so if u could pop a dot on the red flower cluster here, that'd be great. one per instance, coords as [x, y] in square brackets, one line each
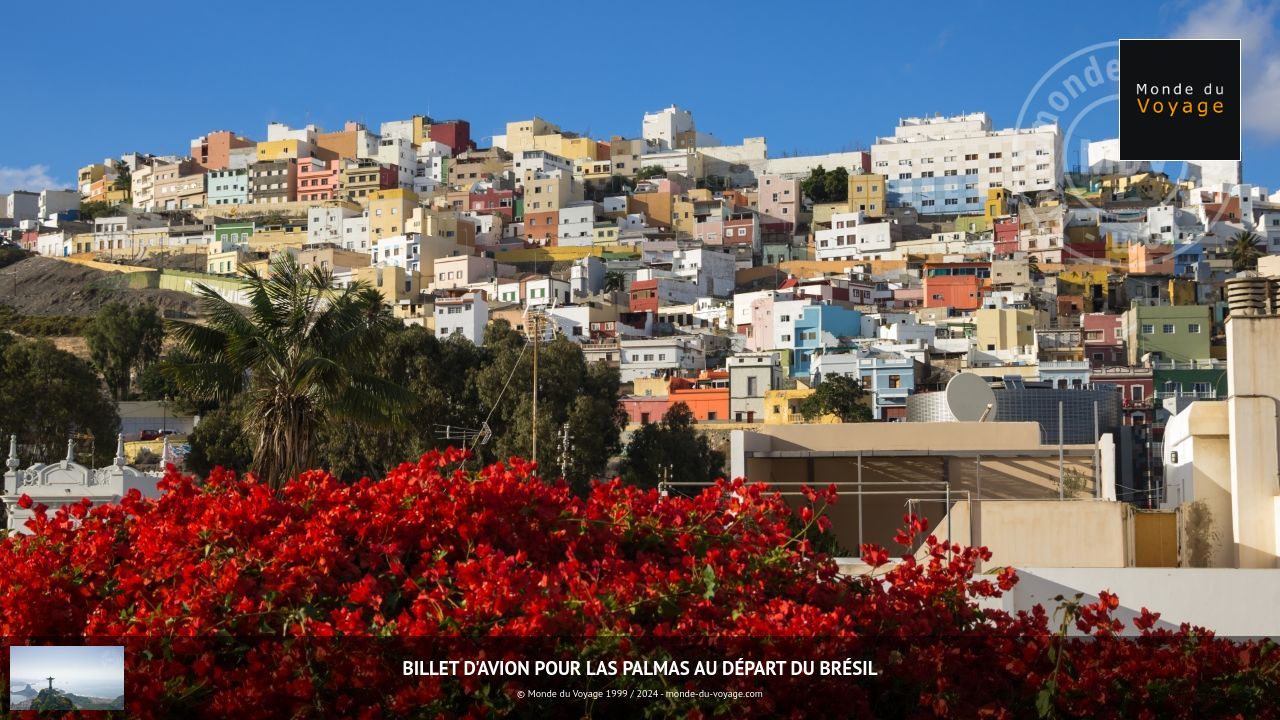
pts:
[235, 600]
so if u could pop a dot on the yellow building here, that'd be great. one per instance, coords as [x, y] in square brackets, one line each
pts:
[274, 238]
[867, 194]
[997, 204]
[782, 407]
[1078, 280]
[605, 234]
[1006, 328]
[395, 284]
[390, 212]
[1148, 186]
[88, 175]
[283, 149]
[521, 134]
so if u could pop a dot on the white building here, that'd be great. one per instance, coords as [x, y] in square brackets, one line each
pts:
[577, 224]
[946, 165]
[751, 375]
[1104, 159]
[851, 237]
[403, 251]
[324, 223]
[23, 205]
[53, 202]
[465, 315]
[654, 357]
[714, 272]
[355, 232]
[665, 127]
[66, 482]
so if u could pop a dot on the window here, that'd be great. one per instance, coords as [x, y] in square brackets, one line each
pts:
[711, 415]
[993, 156]
[952, 201]
[895, 381]
[1148, 329]
[1167, 328]
[995, 169]
[926, 203]
[904, 176]
[1202, 389]
[949, 173]
[973, 156]
[1136, 392]
[971, 171]
[927, 174]
[1119, 332]
[1193, 328]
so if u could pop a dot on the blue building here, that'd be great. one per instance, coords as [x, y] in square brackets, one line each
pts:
[822, 326]
[888, 378]
[946, 195]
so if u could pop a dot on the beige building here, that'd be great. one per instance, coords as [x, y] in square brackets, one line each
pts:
[544, 192]
[177, 185]
[472, 166]
[867, 194]
[390, 212]
[1007, 329]
[522, 134]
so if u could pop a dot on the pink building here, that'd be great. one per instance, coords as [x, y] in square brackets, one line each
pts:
[779, 201]
[317, 180]
[1104, 339]
[760, 332]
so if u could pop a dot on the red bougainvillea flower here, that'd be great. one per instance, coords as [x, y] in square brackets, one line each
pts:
[234, 600]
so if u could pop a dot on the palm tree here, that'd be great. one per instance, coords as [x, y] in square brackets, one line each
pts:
[303, 354]
[1244, 249]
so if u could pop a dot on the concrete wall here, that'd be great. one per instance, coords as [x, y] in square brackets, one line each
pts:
[1197, 596]
[1253, 374]
[1045, 533]
[1200, 482]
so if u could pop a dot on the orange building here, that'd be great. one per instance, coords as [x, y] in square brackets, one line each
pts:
[542, 228]
[213, 151]
[1155, 259]
[956, 285]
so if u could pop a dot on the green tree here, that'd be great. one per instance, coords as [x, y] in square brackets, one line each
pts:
[838, 395]
[438, 375]
[124, 177]
[614, 281]
[220, 441]
[1244, 249]
[823, 187]
[90, 211]
[671, 449]
[571, 391]
[651, 171]
[124, 340]
[304, 354]
[45, 394]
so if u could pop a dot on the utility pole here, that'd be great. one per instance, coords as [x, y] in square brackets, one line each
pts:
[533, 316]
[564, 451]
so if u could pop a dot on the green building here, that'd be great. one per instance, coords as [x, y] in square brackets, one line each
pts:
[1179, 333]
[232, 234]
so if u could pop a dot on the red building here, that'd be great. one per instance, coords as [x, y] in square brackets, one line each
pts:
[1104, 339]
[494, 202]
[644, 296]
[960, 286]
[454, 133]
[1005, 232]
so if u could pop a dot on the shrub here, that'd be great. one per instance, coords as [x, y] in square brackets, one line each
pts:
[239, 601]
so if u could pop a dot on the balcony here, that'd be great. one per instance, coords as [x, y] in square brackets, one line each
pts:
[1210, 394]
[1189, 365]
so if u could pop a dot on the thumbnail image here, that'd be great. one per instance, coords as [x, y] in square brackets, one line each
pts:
[66, 677]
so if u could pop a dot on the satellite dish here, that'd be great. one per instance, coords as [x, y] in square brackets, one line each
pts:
[970, 398]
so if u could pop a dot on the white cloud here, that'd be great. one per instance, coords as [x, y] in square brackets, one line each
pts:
[34, 178]
[1254, 24]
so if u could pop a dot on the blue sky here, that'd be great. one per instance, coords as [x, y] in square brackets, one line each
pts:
[90, 80]
[84, 670]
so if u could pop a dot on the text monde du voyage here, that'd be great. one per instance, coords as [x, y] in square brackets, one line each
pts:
[1180, 99]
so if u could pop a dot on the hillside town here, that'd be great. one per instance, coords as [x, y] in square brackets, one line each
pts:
[1090, 297]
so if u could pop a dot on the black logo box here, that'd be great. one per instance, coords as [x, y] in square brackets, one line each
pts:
[1186, 68]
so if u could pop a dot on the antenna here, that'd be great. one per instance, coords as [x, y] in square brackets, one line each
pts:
[970, 398]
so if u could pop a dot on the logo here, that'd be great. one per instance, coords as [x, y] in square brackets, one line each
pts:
[1180, 98]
